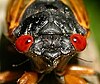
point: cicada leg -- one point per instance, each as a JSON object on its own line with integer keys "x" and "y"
{"x": 70, "y": 79}
{"x": 73, "y": 73}
{"x": 8, "y": 76}
{"x": 28, "y": 78}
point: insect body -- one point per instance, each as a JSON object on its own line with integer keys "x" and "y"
{"x": 49, "y": 33}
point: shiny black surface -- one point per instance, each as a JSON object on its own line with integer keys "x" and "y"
{"x": 51, "y": 24}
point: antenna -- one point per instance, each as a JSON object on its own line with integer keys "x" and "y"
{"x": 16, "y": 65}
{"x": 83, "y": 59}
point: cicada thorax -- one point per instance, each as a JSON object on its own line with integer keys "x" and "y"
{"x": 14, "y": 12}
{"x": 80, "y": 13}
{"x": 16, "y": 9}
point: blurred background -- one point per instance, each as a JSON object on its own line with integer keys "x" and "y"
{"x": 93, "y": 8}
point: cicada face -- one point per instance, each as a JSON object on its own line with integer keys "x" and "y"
{"x": 48, "y": 32}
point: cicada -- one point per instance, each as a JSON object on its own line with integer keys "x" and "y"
{"x": 49, "y": 33}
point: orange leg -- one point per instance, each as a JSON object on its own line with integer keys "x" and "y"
{"x": 73, "y": 73}
{"x": 8, "y": 76}
{"x": 79, "y": 70}
{"x": 28, "y": 78}
{"x": 70, "y": 79}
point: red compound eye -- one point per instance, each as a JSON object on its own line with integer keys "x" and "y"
{"x": 23, "y": 43}
{"x": 78, "y": 41}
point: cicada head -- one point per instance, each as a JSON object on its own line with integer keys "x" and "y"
{"x": 49, "y": 31}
